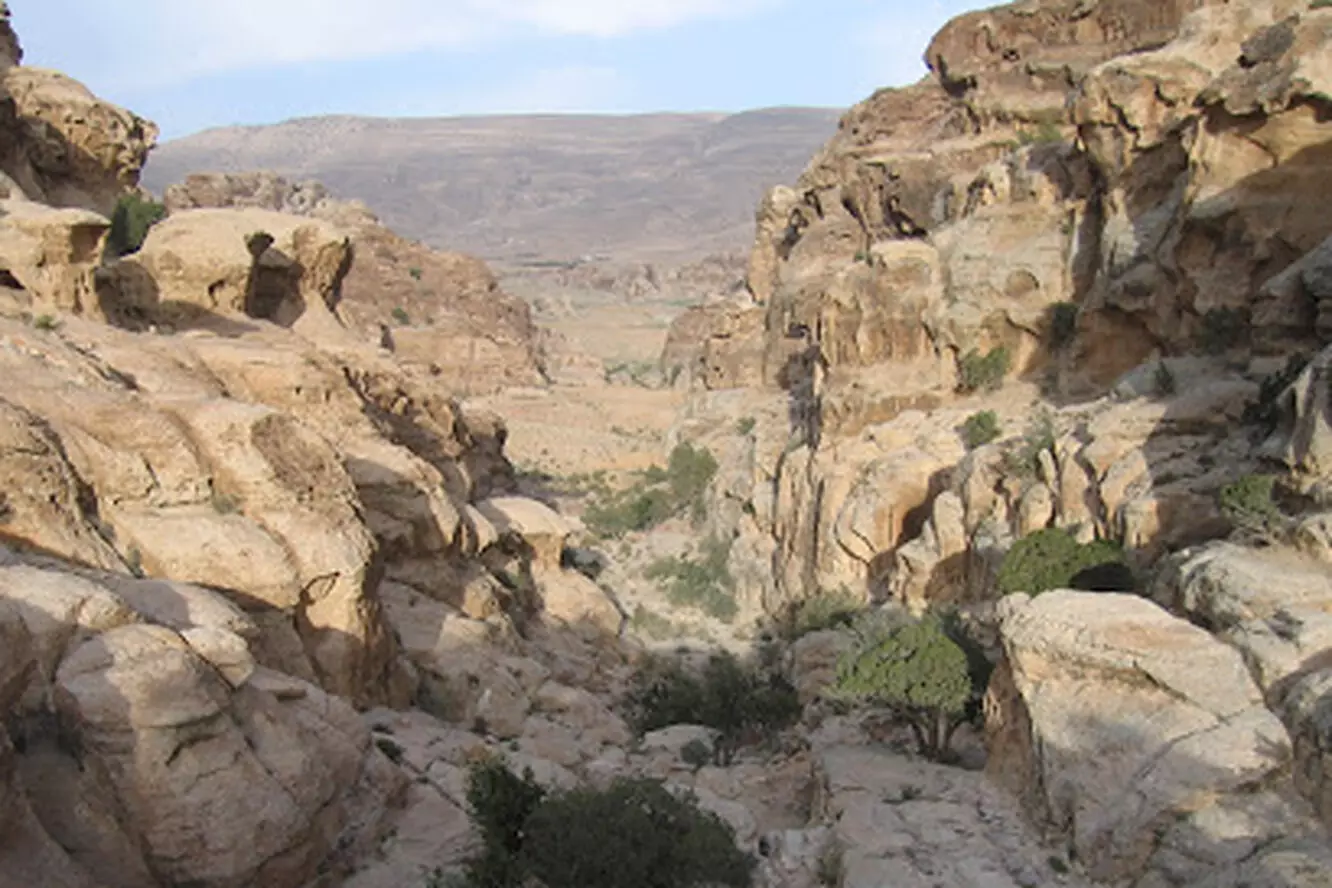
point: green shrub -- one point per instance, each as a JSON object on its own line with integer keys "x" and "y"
{"x": 637, "y": 509}
{"x": 696, "y": 753}
{"x": 1049, "y": 559}
{"x": 1264, "y": 409}
{"x": 980, "y": 429}
{"x": 915, "y": 671}
{"x": 740, "y": 702}
{"x": 415, "y": 273}
{"x": 1062, "y": 325}
{"x": 650, "y": 624}
{"x": 826, "y": 610}
{"x": 130, "y": 221}
{"x": 1250, "y": 505}
{"x": 977, "y": 372}
{"x": 500, "y": 804}
{"x": 400, "y": 315}
{"x": 1321, "y": 4}
{"x": 1164, "y": 379}
{"x": 744, "y": 426}
{"x": 1222, "y": 329}
{"x": 46, "y": 322}
{"x": 1047, "y": 132}
{"x": 633, "y": 834}
{"x": 657, "y": 495}
{"x": 690, "y": 470}
{"x": 704, "y": 583}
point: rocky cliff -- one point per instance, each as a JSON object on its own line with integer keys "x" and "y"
{"x": 446, "y": 312}
{"x": 1097, "y": 227}
{"x": 228, "y": 523}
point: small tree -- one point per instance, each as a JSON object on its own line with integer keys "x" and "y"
{"x": 980, "y": 429}
{"x": 737, "y": 701}
{"x": 133, "y": 216}
{"x": 977, "y": 372}
{"x": 917, "y": 672}
{"x": 634, "y": 833}
{"x": 1049, "y": 559}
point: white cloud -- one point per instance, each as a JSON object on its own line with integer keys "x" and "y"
{"x": 192, "y": 38}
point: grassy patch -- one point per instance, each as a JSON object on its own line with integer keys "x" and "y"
{"x": 980, "y": 429}
{"x": 703, "y": 582}
{"x": 658, "y": 494}
{"x": 977, "y": 372}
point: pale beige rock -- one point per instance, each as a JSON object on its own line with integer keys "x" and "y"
{"x": 53, "y": 254}
{"x": 1107, "y": 714}
{"x": 208, "y": 267}
{"x": 77, "y": 150}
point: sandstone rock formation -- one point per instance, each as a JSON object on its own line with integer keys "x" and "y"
{"x": 446, "y": 311}
{"x": 62, "y": 145}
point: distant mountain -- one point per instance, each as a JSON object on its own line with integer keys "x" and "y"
{"x": 534, "y": 187}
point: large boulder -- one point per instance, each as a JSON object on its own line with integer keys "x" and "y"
{"x": 52, "y": 253}
{"x": 200, "y": 267}
{"x": 1136, "y": 734}
{"x": 132, "y": 741}
{"x": 66, "y": 147}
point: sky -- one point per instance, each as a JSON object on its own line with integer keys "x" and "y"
{"x": 190, "y": 65}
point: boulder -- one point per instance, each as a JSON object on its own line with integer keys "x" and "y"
{"x": 1114, "y": 721}
{"x": 73, "y": 149}
{"x": 52, "y": 254}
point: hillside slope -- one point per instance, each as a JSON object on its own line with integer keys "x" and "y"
{"x": 536, "y": 187}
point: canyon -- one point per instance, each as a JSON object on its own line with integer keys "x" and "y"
{"x": 301, "y": 518}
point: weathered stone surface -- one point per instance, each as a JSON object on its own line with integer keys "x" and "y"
{"x": 1110, "y": 718}
{"x": 66, "y": 147}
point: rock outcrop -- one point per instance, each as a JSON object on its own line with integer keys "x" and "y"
{"x": 445, "y": 312}
{"x": 59, "y": 143}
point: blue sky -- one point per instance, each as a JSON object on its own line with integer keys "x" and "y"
{"x": 193, "y": 64}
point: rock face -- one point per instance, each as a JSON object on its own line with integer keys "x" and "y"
{"x": 1091, "y": 188}
{"x": 445, "y": 311}
{"x": 141, "y": 752}
{"x": 1138, "y": 735}
{"x": 62, "y": 145}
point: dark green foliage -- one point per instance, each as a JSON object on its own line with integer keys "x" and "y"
{"x": 1049, "y": 559}
{"x": 634, "y": 834}
{"x": 696, "y": 753}
{"x": 1062, "y": 325}
{"x": 1263, "y": 410}
{"x": 745, "y": 425}
{"x": 415, "y": 273}
{"x": 690, "y": 471}
{"x": 826, "y": 610}
{"x": 914, "y": 670}
{"x": 1046, "y": 133}
{"x": 1250, "y": 505}
{"x": 46, "y": 322}
{"x": 400, "y": 315}
{"x": 500, "y": 803}
{"x": 130, "y": 221}
{"x": 636, "y": 509}
{"x": 657, "y": 495}
{"x": 977, "y": 372}
{"x": 1222, "y": 329}
{"x": 742, "y": 703}
{"x": 980, "y": 429}
{"x": 1164, "y": 379}
{"x": 704, "y": 582}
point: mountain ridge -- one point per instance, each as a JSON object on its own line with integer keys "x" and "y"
{"x": 661, "y": 185}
